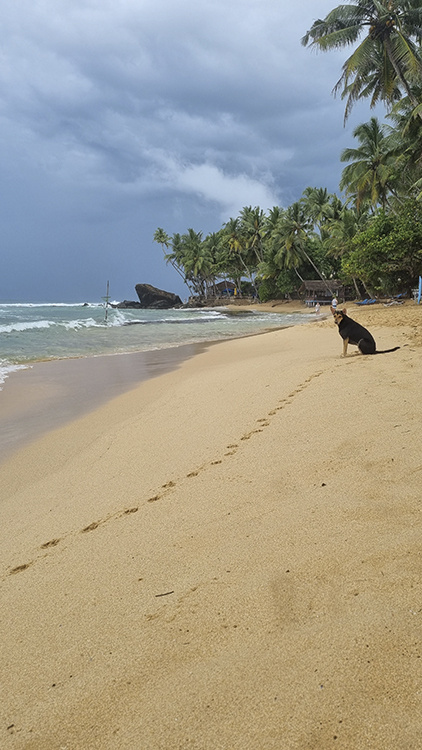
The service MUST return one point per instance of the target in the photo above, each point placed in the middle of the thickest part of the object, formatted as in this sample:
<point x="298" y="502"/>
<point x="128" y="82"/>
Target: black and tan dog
<point x="353" y="333"/>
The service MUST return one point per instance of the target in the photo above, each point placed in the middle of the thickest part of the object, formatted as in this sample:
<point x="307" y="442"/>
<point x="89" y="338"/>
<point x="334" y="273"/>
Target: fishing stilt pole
<point x="107" y="298"/>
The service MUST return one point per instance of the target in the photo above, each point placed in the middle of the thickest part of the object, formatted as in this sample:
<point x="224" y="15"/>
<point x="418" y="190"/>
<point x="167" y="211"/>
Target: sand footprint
<point x="154" y="499"/>
<point x="19" y="568"/>
<point x="92" y="526"/>
<point x="51" y="543"/>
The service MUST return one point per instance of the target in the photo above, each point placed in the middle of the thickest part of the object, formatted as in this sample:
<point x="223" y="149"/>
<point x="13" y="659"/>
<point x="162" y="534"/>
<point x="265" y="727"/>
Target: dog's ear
<point x="332" y="309"/>
<point x="344" y="311"/>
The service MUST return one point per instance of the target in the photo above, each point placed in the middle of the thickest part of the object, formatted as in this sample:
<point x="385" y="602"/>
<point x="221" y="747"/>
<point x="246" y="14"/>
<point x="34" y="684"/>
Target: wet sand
<point x="49" y="394"/>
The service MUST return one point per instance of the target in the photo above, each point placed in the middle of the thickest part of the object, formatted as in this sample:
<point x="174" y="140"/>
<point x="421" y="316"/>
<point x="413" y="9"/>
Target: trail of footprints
<point x="166" y="488"/>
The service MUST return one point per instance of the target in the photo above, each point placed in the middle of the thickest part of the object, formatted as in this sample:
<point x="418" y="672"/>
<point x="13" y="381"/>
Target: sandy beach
<point x="226" y="557"/>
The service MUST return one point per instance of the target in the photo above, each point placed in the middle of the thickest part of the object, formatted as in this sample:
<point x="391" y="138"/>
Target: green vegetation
<point x="371" y="237"/>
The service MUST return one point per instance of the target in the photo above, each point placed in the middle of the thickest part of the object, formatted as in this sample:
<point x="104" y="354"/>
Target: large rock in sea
<point x="157" y="299"/>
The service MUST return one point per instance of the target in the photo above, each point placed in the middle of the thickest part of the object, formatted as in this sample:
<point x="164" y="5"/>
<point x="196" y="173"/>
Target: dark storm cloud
<point x="118" y="117"/>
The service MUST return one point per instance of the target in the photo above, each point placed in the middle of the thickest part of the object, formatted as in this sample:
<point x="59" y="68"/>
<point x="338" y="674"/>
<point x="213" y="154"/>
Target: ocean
<point x="31" y="333"/>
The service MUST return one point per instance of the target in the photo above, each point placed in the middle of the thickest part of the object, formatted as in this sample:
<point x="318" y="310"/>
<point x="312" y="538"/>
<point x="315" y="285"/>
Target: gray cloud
<point x="116" y="118"/>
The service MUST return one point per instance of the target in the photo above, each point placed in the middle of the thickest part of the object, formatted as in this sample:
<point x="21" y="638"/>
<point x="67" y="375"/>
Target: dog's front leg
<point x="345" y="345"/>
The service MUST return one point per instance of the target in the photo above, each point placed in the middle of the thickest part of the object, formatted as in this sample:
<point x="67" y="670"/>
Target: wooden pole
<point x="106" y="298"/>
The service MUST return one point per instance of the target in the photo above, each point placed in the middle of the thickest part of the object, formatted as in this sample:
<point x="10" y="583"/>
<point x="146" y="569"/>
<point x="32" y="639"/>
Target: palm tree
<point x="376" y="78"/>
<point x="236" y="240"/>
<point x="275" y="215"/>
<point x="409" y="135"/>
<point x="165" y="241"/>
<point x="162" y="238"/>
<point x="291" y="238"/>
<point x="387" y="59"/>
<point x="198" y="261"/>
<point x="342" y="230"/>
<point x="317" y="203"/>
<point x="371" y="174"/>
<point x="252" y="225"/>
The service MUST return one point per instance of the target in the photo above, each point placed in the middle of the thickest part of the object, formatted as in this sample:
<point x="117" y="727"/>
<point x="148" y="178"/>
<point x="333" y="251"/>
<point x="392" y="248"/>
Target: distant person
<point x="334" y="303"/>
<point x="317" y="308"/>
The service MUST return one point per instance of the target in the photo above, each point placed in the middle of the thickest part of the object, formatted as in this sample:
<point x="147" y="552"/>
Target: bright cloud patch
<point x="232" y="193"/>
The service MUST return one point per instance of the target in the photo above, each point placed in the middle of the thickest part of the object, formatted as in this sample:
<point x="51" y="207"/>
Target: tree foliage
<point x="387" y="255"/>
<point x="387" y="60"/>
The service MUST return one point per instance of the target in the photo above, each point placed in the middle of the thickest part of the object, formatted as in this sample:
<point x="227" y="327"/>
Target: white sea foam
<point x="6" y="369"/>
<point x="50" y="304"/>
<point x="77" y="324"/>
<point x="31" y="325"/>
<point x="25" y="326"/>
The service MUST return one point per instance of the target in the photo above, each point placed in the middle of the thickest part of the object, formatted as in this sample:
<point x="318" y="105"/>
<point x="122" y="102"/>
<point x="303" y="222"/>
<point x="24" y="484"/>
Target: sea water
<point x="32" y="332"/>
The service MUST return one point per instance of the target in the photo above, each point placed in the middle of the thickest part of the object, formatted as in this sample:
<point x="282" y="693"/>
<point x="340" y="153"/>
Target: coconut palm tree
<point x="317" y="202"/>
<point x="237" y="242"/>
<point x="409" y="134"/>
<point x="252" y="226"/>
<point x="342" y="230"/>
<point x="197" y="261"/>
<point x="376" y="79"/>
<point x="275" y="214"/>
<point x="212" y="247"/>
<point x="371" y="175"/>
<point x="388" y="57"/>
<point x="290" y="240"/>
<point x="163" y="239"/>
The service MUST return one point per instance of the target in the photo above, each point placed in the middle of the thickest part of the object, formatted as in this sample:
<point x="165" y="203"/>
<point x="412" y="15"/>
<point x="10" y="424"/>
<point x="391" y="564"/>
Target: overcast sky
<point x="121" y="116"/>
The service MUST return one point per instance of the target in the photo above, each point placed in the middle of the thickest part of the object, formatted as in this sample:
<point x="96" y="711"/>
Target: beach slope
<point x="227" y="556"/>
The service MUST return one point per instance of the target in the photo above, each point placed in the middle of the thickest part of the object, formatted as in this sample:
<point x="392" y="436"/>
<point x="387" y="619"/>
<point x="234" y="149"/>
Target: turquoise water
<point x="34" y="332"/>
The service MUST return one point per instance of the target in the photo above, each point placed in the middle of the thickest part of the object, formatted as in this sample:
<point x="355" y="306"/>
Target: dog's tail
<point x="386" y="351"/>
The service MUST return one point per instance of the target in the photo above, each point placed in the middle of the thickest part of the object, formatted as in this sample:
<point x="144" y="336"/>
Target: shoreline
<point x="46" y="394"/>
<point x="230" y="550"/>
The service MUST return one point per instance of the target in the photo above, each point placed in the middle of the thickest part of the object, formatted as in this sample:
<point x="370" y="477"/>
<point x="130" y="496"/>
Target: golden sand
<point x="226" y="557"/>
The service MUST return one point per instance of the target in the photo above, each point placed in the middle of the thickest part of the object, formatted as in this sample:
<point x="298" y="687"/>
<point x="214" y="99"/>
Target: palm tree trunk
<point x="317" y="270"/>
<point x="355" y="284"/>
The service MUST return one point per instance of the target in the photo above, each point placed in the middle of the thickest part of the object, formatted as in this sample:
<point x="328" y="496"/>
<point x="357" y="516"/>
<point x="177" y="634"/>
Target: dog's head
<point x="338" y="315"/>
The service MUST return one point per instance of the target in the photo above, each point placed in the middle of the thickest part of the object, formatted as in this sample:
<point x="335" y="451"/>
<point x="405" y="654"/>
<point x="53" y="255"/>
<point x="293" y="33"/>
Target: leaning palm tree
<point x="291" y="237"/>
<point x="388" y="57"/>
<point x="162" y="238"/>
<point x="174" y="258"/>
<point x="371" y="174"/>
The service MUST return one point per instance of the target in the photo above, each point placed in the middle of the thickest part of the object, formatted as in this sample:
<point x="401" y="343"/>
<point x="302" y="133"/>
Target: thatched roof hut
<point x="323" y="291"/>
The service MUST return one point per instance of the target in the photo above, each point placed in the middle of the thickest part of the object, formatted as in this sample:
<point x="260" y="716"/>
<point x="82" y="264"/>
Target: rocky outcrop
<point x="127" y="303"/>
<point x="156" y="299"/>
